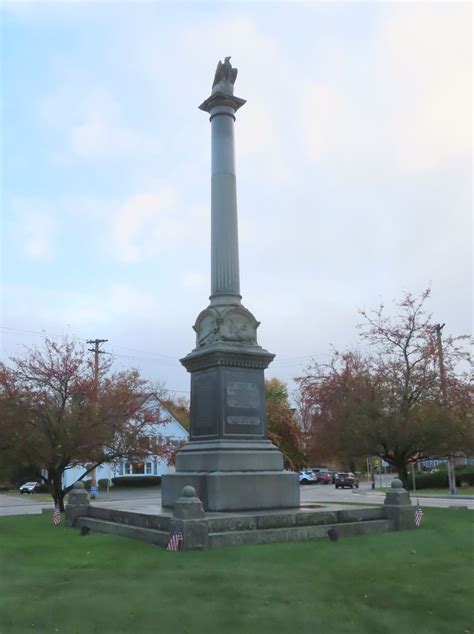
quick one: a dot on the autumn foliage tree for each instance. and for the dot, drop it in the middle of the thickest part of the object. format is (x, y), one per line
(55, 414)
(388, 400)
(179, 408)
(283, 429)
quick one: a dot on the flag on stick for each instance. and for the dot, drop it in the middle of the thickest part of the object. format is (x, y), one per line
(175, 541)
(56, 516)
(418, 514)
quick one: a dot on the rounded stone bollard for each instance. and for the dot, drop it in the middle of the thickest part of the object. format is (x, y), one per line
(190, 520)
(398, 506)
(188, 506)
(77, 503)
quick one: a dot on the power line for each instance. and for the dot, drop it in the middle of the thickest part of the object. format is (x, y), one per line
(43, 333)
(154, 354)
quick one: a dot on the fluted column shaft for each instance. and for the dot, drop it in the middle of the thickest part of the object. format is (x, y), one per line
(225, 283)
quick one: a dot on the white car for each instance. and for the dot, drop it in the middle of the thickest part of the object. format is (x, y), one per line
(306, 477)
(29, 487)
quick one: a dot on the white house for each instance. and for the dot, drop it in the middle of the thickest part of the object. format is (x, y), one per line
(169, 428)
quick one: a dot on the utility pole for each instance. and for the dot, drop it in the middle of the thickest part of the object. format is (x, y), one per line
(96, 350)
(442, 378)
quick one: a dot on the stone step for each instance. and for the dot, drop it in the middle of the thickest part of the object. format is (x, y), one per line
(297, 533)
(150, 535)
(143, 520)
(290, 519)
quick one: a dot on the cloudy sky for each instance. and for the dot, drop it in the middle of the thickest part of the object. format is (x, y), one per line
(354, 157)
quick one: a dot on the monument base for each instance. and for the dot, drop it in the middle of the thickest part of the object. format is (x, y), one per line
(229, 455)
(235, 490)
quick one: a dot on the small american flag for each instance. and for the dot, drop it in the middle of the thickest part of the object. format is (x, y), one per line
(175, 541)
(56, 516)
(418, 514)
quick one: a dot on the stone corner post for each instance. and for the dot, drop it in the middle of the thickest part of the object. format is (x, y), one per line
(77, 503)
(398, 507)
(189, 518)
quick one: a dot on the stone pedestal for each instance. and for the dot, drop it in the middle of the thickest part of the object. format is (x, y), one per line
(228, 460)
(190, 520)
(398, 506)
(77, 503)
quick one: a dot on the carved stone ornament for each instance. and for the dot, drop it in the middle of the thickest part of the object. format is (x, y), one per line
(225, 77)
(230, 324)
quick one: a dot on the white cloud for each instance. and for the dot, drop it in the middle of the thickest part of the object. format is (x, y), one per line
(34, 228)
(195, 281)
(153, 222)
(409, 106)
(39, 228)
(428, 63)
(95, 125)
(79, 310)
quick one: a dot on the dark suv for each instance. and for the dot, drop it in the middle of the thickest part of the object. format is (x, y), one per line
(346, 480)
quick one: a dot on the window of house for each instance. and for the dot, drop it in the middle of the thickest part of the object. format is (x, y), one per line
(148, 468)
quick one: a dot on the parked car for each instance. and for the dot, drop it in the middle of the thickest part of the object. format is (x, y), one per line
(322, 475)
(29, 487)
(306, 477)
(346, 480)
(320, 470)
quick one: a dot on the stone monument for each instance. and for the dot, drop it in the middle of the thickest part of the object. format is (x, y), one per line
(228, 460)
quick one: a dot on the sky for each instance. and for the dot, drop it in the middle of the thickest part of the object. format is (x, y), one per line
(354, 171)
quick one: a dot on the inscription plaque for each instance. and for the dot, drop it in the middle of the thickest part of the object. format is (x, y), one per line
(203, 411)
(242, 394)
(243, 420)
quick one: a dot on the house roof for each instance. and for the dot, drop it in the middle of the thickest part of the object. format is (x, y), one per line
(163, 406)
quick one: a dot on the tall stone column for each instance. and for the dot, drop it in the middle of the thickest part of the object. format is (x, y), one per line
(228, 460)
(225, 283)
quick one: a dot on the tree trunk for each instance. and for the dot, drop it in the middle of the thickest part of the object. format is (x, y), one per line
(57, 491)
(402, 472)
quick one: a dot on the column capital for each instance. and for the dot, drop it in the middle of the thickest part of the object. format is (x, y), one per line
(222, 99)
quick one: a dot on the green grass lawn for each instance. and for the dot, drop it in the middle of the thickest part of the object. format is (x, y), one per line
(435, 492)
(421, 582)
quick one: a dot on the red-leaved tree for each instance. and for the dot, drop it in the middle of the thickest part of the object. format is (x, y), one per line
(56, 414)
(389, 401)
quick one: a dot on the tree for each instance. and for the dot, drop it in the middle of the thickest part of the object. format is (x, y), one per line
(179, 408)
(388, 401)
(55, 414)
(283, 429)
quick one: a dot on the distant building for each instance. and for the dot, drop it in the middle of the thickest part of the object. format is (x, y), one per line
(170, 428)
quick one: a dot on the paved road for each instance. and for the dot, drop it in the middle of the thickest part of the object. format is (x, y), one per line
(149, 500)
(11, 505)
(365, 495)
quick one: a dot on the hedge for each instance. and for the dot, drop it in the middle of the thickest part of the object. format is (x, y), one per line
(439, 479)
(137, 481)
(102, 483)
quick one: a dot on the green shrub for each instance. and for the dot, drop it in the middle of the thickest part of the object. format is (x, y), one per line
(137, 481)
(464, 468)
(465, 475)
(102, 484)
(439, 479)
